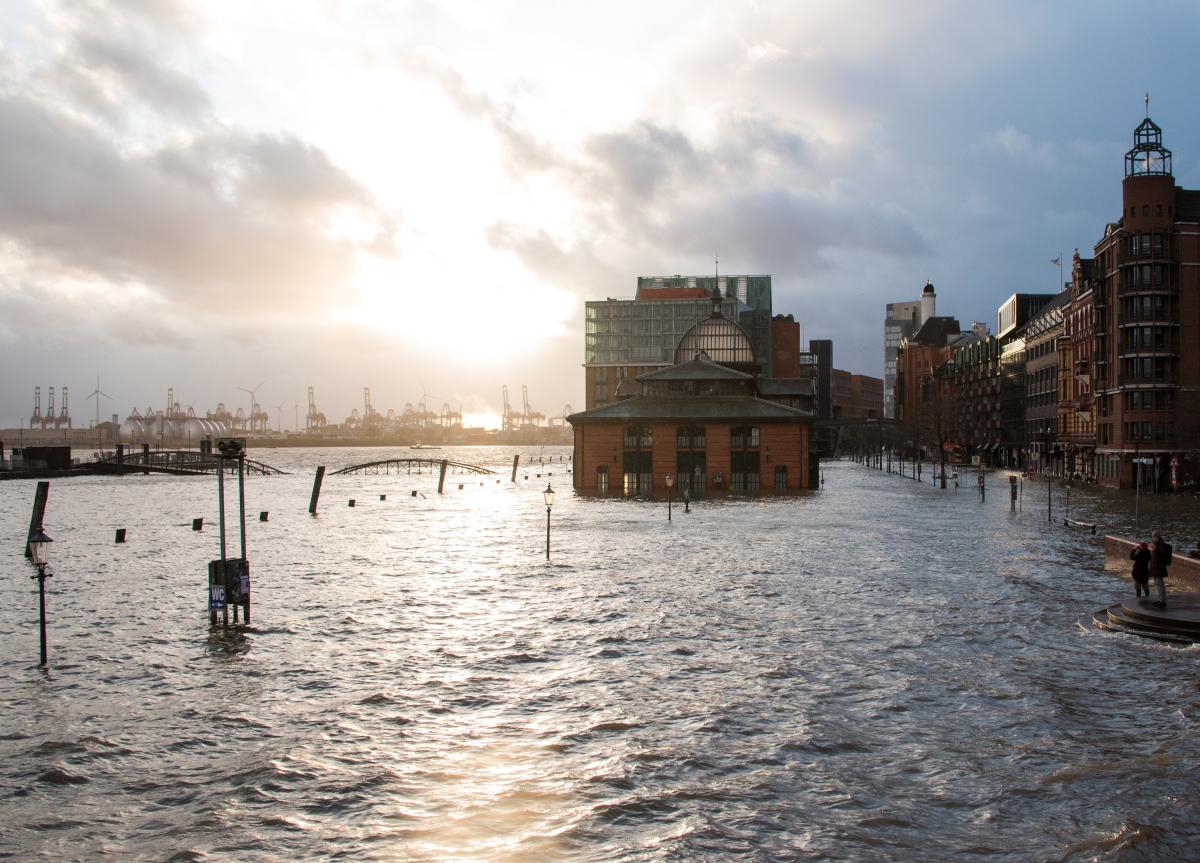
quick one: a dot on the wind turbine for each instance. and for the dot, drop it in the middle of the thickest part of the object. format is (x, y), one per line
(253, 393)
(97, 393)
(279, 413)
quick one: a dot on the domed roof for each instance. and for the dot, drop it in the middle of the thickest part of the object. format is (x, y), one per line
(720, 338)
(928, 288)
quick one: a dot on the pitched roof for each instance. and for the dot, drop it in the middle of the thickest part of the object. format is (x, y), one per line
(693, 408)
(936, 331)
(699, 369)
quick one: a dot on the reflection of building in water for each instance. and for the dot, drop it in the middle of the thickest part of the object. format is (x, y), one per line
(701, 419)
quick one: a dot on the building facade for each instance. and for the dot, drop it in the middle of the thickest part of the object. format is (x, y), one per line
(1041, 381)
(624, 338)
(901, 321)
(1146, 358)
(701, 422)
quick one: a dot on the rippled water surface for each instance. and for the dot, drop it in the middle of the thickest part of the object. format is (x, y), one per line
(878, 671)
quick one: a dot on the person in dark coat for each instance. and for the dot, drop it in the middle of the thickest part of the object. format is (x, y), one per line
(1141, 568)
(1160, 559)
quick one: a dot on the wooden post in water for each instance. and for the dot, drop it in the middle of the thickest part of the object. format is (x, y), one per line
(442, 476)
(516, 459)
(146, 459)
(316, 492)
(39, 510)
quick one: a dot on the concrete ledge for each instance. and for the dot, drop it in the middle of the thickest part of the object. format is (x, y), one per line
(1183, 574)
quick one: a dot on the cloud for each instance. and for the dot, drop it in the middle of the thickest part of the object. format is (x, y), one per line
(230, 217)
(1019, 145)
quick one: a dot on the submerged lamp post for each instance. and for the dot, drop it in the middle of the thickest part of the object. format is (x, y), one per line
(670, 484)
(548, 497)
(39, 553)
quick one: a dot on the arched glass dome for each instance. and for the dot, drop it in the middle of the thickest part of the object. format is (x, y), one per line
(722, 339)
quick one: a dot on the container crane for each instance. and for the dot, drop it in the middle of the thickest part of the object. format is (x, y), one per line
(315, 420)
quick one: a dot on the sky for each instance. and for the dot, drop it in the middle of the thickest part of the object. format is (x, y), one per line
(419, 197)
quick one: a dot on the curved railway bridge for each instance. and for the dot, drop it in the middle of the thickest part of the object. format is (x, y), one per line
(183, 462)
(411, 465)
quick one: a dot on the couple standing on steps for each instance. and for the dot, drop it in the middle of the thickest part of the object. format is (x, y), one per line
(1151, 561)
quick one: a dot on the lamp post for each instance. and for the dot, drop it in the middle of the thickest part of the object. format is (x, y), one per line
(1049, 504)
(548, 497)
(1137, 481)
(39, 552)
(670, 483)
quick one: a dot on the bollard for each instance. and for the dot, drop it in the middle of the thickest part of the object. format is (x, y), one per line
(197, 524)
(383, 497)
(316, 491)
(262, 516)
(442, 476)
(120, 537)
(460, 486)
(351, 502)
(414, 494)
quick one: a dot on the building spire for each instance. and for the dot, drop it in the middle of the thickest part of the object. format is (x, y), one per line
(1147, 103)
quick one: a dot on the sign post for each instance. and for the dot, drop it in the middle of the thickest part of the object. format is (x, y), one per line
(229, 578)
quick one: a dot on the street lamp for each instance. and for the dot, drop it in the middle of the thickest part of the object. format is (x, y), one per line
(1049, 503)
(39, 553)
(670, 483)
(548, 497)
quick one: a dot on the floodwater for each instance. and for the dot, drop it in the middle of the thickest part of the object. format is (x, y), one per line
(880, 670)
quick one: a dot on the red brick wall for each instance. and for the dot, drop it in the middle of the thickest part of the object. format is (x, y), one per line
(598, 444)
(603, 444)
(785, 349)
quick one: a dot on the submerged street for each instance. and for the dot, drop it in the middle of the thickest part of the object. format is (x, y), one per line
(878, 670)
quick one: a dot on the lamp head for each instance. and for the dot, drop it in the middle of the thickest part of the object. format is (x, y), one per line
(39, 547)
(670, 480)
(548, 496)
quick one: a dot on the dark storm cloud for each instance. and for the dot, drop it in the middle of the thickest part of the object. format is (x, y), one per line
(231, 217)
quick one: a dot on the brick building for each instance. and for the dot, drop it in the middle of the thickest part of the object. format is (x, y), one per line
(1146, 305)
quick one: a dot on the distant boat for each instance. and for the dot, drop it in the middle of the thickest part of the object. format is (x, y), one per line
(422, 446)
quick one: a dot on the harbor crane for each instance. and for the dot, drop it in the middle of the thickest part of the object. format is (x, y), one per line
(529, 417)
(36, 419)
(315, 421)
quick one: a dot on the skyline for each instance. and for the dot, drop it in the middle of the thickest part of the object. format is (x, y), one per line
(204, 196)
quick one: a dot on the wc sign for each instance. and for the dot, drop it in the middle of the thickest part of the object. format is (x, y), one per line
(216, 597)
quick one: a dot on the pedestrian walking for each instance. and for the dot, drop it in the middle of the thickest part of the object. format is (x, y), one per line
(1160, 559)
(1141, 568)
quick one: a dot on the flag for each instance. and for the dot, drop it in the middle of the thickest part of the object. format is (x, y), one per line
(1057, 262)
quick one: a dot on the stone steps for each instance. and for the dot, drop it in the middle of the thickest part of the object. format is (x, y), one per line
(1178, 623)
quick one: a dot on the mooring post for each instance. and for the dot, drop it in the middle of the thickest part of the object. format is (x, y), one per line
(516, 459)
(1012, 494)
(442, 476)
(146, 459)
(120, 537)
(316, 492)
(39, 510)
